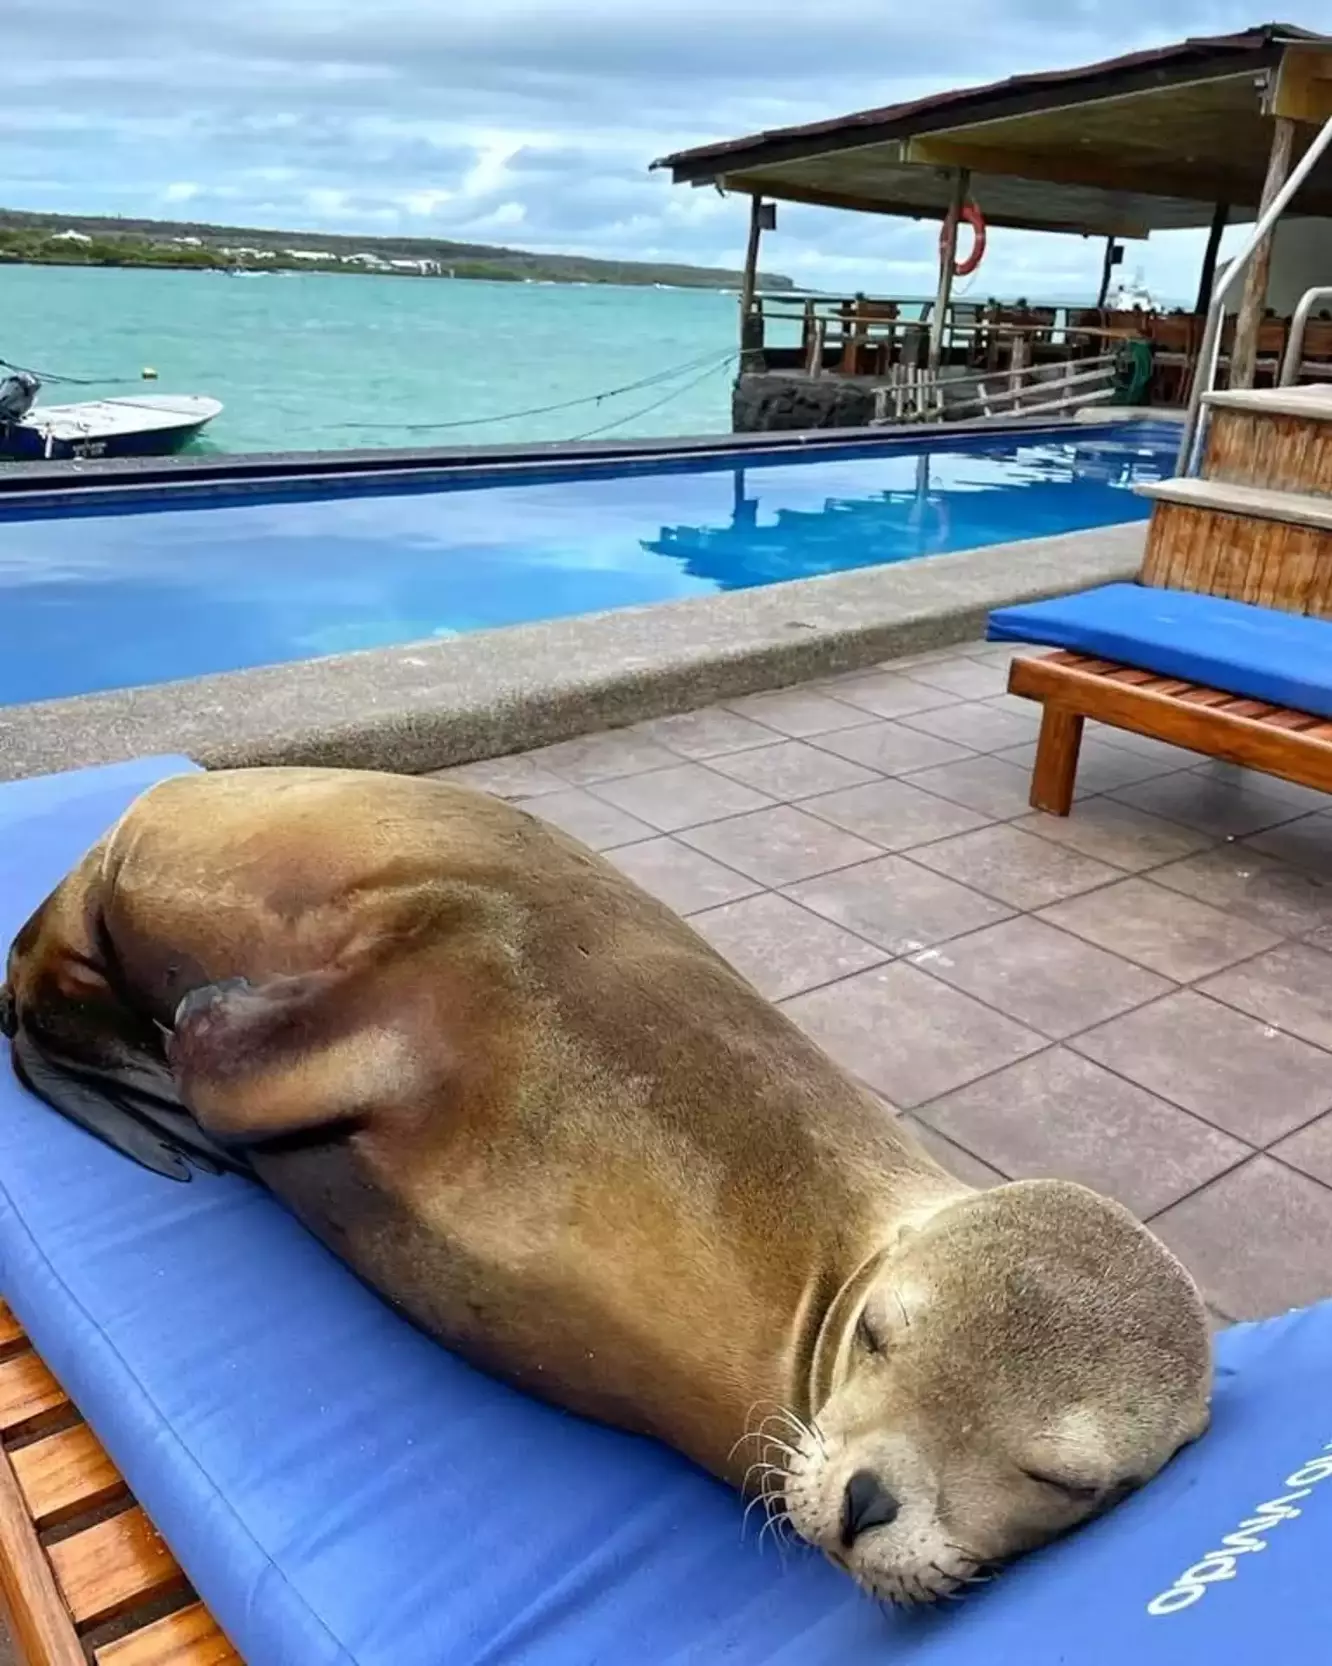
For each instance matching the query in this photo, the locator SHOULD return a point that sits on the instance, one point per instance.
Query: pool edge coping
(428, 705)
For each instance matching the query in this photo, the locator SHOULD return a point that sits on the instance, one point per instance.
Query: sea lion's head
(1014, 1365)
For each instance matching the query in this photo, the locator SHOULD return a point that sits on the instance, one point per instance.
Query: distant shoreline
(31, 239)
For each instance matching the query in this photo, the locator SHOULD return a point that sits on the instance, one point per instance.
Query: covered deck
(1201, 134)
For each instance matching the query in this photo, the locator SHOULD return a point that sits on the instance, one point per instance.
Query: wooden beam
(751, 332)
(1107, 267)
(1244, 354)
(1303, 89)
(1207, 277)
(947, 260)
(778, 189)
(1093, 171)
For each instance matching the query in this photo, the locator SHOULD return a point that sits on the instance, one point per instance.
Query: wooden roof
(1150, 141)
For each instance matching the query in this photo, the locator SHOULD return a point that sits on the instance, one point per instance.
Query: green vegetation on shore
(63, 240)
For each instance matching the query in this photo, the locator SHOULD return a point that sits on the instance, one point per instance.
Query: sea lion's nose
(867, 1503)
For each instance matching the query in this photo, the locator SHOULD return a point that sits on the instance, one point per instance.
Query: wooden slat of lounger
(65, 1474)
(42, 1625)
(1269, 744)
(189, 1637)
(10, 1329)
(112, 1567)
(28, 1392)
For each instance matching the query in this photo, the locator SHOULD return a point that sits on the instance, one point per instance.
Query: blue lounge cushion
(1258, 653)
(342, 1491)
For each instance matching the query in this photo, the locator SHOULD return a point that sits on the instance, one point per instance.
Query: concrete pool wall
(424, 706)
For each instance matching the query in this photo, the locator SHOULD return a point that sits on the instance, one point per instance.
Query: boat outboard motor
(17, 395)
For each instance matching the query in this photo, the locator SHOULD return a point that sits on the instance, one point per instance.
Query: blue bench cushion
(1256, 652)
(342, 1490)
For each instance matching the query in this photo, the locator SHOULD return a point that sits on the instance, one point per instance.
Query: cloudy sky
(531, 122)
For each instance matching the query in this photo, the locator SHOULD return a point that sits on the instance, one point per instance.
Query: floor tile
(1062, 1116)
(781, 948)
(601, 757)
(968, 1169)
(1235, 1071)
(1258, 1240)
(1016, 867)
(683, 879)
(798, 712)
(898, 905)
(892, 749)
(1305, 800)
(1289, 988)
(1161, 930)
(885, 694)
(1310, 1150)
(779, 846)
(894, 814)
(1306, 843)
(907, 1035)
(792, 769)
(706, 733)
(514, 776)
(1112, 832)
(598, 824)
(1101, 768)
(1043, 977)
(1253, 886)
(1227, 809)
(966, 677)
(1177, 757)
(669, 799)
(976, 725)
(986, 785)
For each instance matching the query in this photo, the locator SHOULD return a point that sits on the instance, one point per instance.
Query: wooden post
(1207, 277)
(947, 259)
(751, 332)
(1107, 267)
(1244, 354)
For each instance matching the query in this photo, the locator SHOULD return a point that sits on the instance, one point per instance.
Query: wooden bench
(1073, 687)
(1256, 528)
(85, 1576)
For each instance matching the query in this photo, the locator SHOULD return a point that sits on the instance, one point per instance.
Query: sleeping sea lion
(543, 1117)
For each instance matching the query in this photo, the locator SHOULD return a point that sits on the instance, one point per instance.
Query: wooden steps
(86, 1578)
(1256, 524)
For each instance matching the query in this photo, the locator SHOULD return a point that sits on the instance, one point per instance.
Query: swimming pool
(163, 587)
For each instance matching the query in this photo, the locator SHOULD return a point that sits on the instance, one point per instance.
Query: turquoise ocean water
(327, 361)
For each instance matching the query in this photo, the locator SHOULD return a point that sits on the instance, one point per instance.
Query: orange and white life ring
(972, 216)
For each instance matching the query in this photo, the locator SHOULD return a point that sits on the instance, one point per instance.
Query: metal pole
(1294, 356)
(947, 259)
(1207, 356)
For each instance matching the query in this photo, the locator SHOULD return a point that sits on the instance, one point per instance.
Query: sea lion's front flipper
(89, 1103)
(294, 1057)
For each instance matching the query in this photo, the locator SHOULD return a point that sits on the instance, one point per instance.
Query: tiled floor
(1138, 997)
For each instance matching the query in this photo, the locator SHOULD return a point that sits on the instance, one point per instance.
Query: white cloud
(531, 121)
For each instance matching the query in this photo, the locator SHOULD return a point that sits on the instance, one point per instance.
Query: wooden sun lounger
(1073, 687)
(85, 1575)
(1256, 528)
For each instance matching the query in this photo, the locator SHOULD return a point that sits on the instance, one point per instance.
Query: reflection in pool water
(159, 590)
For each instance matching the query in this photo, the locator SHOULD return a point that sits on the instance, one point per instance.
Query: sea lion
(537, 1112)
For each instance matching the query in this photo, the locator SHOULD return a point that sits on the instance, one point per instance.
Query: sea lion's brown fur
(542, 1116)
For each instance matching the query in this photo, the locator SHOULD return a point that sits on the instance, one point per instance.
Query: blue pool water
(159, 589)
